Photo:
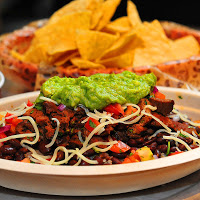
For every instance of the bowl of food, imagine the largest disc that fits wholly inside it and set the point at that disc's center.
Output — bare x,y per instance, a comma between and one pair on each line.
84,137
91,43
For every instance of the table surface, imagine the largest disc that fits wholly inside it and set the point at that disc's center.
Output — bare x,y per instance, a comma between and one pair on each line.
180,189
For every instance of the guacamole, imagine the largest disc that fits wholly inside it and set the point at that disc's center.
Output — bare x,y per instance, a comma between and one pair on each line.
99,90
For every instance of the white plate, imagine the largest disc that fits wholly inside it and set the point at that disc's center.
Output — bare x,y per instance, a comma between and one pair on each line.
102,180
2,79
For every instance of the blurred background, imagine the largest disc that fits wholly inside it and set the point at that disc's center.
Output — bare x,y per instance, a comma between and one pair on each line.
17,13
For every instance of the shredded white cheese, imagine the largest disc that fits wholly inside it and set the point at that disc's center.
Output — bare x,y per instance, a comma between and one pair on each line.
178,140
37,134
185,119
48,99
55,134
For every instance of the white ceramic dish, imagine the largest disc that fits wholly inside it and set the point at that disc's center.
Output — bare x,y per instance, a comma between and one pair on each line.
102,180
2,79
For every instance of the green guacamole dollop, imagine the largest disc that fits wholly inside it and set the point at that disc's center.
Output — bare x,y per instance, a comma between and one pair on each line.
99,90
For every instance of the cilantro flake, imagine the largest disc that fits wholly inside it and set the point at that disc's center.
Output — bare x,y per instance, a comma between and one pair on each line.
180,97
92,124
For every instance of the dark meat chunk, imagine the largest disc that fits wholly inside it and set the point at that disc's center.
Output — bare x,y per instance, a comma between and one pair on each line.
108,129
103,159
64,141
145,119
135,130
167,121
164,106
74,142
44,123
96,138
63,116
120,135
50,107
177,126
24,127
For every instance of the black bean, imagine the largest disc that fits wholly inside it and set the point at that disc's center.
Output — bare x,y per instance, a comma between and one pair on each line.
182,138
149,131
157,153
172,143
146,137
44,150
182,147
99,160
153,146
116,160
118,155
161,140
159,135
132,143
23,150
89,152
19,156
72,162
15,143
8,157
84,163
198,129
8,150
189,140
173,149
162,148
140,140
193,146
153,139
60,156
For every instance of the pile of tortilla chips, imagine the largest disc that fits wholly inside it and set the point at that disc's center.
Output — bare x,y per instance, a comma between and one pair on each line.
81,34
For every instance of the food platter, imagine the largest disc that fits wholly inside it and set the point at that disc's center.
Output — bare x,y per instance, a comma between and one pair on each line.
102,180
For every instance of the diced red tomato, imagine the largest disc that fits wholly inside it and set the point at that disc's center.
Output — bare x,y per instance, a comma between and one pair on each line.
159,95
9,121
133,157
175,153
2,135
16,121
115,108
25,160
12,128
29,103
197,121
130,110
126,160
120,147
91,124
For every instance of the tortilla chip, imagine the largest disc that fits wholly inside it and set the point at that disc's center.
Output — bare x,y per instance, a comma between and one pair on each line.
108,9
120,25
57,38
74,6
133,14
185,47
35,54
155,48
92,44
95,7
85,64
65,57
121,61
121,46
